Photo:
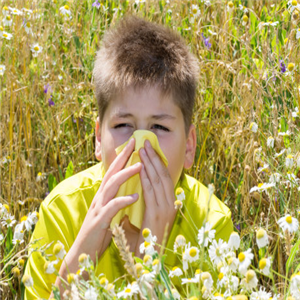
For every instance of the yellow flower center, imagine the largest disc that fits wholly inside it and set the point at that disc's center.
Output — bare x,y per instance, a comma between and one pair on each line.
242,257
230,4
194,10
289,219
290,156
103,281
260,185
230,261
21,262
198,271
28,24
155,262
5,8
250,275
294,2
57,248
110,286
146,272
82,257
37,48
178,203
139,267
260,233
193,252
262,263
71,277
174,268
220,276
205,276
8,221
8,18
179,191
66,7
146,244
245,19
16,272
46,265
291,67
146,258
128,290
146,232
24,218
7,207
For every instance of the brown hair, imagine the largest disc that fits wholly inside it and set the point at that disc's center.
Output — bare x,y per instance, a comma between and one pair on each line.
139,53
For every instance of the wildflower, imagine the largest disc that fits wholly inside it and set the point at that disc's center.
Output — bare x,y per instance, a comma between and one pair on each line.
27,280
230,5
206,234
245,260
264,266
174,292
234,241
291,67
262,239
287,133
195,12
71,277
91,293
7,21
180,194
8,220
16,12
189,280
49,266
21,262
111,289
243,8
289,161
65,11
261,187
59,250
2,69
270,142
295,285
298,34
28,11
295,113
16,272
253,127
147,276
261,294
206,41
206,279
96,4
180,242
280,153
148,248
292,5
139,1
5,10
27,27
148,236
263,168
104,281
18,235
147,260
51,102
233,263
6,35
129,290
288,223
217,251
84,261
40,176
175,272
156,265
36,49
250,281
190,253
178,204
245,20
1,237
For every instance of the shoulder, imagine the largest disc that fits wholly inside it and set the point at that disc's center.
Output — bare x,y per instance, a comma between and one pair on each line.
206,208
88,179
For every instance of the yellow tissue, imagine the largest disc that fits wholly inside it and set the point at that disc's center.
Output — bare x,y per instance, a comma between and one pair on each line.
135,211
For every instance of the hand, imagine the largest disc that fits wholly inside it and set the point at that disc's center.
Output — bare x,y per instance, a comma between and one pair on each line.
158,190
94,235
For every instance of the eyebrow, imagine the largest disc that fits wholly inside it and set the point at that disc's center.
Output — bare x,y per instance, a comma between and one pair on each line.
123,115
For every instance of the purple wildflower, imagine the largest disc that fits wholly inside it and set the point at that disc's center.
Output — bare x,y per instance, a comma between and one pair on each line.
96,4
50,101
238,227
47,193
46,88
206,41
282,66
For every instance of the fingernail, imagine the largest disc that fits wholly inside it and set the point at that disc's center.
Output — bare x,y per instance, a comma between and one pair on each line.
143,152
148,145
135,196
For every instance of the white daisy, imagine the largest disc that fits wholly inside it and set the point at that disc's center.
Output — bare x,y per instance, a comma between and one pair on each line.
7,21
280,153
274,178
27,280
18,234
253,127
156,265
49,266
243,8
289,161
206,279
206,234
129,290
148,276
288,223
264,266
6,35
217,251
233,263
263,168
298,34
65,11
234,241
147,235
296,112
179,193
261,295
180,242
292,5
16,11
36,49
174,292
261,187
175,272
262,239
8,220
147,260
295,285
195,12
27,27
286,133
250,281
245,260
2,69
5,10
91,293
189,280
190,253
59,250
147,248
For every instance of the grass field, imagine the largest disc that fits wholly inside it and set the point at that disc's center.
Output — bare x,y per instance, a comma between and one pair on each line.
246,116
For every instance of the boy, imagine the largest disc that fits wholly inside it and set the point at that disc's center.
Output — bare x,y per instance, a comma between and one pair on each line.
145,79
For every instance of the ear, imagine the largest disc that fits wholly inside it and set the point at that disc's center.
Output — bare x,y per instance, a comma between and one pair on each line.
190,150
98,140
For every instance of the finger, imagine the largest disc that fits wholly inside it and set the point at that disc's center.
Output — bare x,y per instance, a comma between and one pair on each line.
153,177
112,186
116,204
162,172
120,161
148,191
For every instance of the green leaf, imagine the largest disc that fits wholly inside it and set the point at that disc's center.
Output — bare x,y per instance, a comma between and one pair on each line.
69,171
61,177
290,260
52,183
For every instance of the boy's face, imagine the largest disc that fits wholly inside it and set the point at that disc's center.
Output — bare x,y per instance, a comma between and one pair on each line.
146,109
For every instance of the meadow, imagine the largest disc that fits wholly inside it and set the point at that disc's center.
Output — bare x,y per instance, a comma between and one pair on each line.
248,142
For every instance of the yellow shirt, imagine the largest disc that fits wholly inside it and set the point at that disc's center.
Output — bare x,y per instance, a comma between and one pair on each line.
63,211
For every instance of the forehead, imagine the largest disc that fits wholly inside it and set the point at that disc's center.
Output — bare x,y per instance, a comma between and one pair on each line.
143,102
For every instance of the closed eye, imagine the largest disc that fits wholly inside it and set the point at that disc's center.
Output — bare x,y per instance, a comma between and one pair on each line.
157,126
122,125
